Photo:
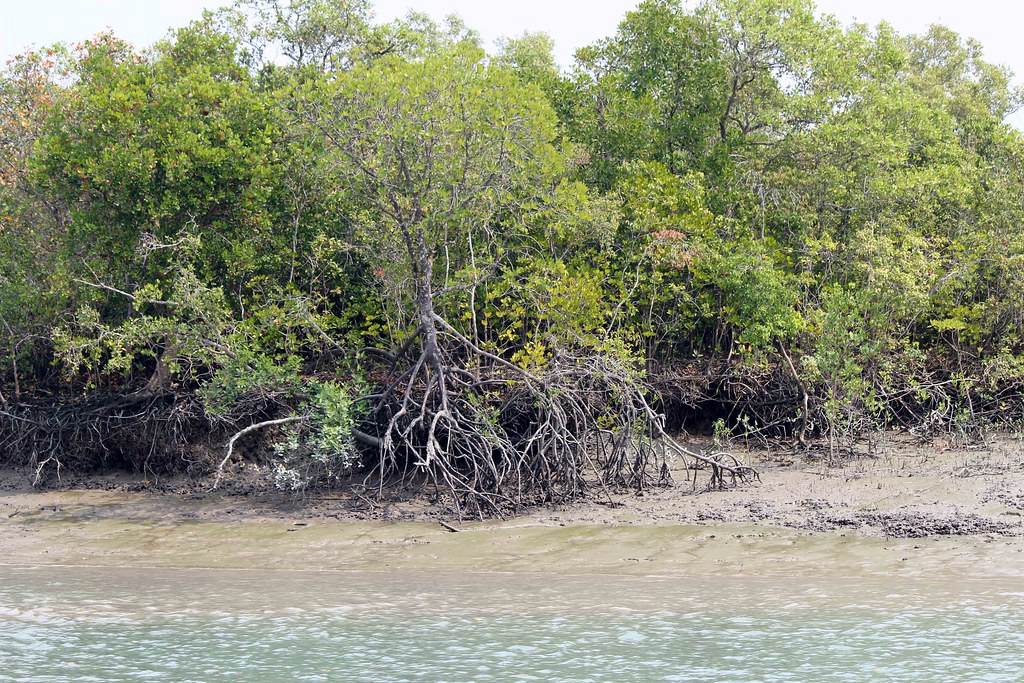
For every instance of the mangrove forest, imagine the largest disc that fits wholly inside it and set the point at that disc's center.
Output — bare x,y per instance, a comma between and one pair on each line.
293,235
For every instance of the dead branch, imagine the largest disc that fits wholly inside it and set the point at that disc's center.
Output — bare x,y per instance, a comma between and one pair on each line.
249,430
132,297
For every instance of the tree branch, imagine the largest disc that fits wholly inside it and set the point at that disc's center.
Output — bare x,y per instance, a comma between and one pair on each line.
249,430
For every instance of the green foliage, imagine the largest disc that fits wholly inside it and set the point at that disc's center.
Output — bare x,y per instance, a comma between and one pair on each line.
33,276
438,158
314,35
531,57
742,287
246,375
146,148
741,180
323,450
335,420
195,335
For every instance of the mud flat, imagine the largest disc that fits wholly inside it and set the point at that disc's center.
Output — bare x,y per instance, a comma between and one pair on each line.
908,511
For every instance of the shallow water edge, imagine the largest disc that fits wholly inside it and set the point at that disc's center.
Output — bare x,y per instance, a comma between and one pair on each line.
79,535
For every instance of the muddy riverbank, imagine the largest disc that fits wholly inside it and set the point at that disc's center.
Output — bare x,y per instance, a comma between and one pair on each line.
909,510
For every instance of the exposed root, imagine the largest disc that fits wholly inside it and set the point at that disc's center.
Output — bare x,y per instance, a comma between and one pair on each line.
146,431
772,404
723,466
496,436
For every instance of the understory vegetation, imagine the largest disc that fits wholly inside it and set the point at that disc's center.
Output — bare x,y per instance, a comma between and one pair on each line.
339,247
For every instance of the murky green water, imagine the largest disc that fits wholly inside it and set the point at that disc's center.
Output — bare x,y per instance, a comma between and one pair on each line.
74,624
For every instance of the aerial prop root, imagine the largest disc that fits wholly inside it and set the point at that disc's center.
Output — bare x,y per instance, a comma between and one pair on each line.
496,435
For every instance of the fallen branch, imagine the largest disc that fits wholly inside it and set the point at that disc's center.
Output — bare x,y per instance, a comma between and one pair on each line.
248,430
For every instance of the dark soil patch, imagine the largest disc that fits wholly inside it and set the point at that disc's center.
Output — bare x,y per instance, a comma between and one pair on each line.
918,525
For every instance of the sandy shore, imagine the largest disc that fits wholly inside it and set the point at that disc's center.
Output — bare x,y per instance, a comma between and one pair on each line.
910,511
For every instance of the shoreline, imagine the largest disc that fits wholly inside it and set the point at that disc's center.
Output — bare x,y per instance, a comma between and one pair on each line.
910,512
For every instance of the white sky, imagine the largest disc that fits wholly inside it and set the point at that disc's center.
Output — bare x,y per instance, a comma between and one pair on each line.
572,23
997,23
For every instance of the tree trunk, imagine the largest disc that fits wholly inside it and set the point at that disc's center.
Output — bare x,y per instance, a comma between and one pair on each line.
425,304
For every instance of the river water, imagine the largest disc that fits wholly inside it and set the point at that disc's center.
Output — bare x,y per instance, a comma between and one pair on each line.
92,624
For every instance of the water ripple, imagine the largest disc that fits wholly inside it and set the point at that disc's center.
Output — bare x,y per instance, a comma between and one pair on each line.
157,628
